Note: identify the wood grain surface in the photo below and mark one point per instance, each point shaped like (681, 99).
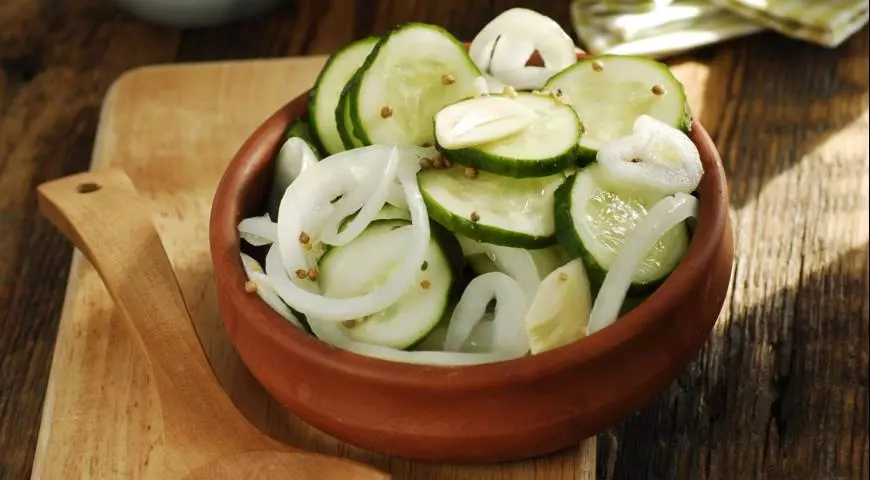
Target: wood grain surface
(780, 391)
(173, 129)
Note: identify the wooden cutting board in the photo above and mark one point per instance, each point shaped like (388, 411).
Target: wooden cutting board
(173, 129)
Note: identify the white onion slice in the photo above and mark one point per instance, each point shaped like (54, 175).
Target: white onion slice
(266, 291)
(316, 187)
(258, 231)
(370, 208)
(306, 214)
(332, 333)
(506, 43)
(278, 276)
(423, 358)
(663, 216)
(509, 64)
(554, 45)
(350, 202)
(517, 263)
(512, 51)
(481, 52)
(470, 246)
(309, 200)
(445, 359)
(510, 305)
(656, 157)
(293, 158)
(482, 337)
(396, 196)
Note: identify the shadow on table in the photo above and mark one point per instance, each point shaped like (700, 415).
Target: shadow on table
(779, 389)
(770, 101)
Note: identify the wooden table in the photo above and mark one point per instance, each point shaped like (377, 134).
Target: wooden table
(780, 390)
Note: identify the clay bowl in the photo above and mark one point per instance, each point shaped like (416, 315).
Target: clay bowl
(484, 413)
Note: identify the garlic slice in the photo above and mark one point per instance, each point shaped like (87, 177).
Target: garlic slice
(480, 120)
(559, 312)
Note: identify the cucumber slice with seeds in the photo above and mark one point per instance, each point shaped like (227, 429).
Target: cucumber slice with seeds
(546, 146)
(592, 222)
(609, 92)
(360, 266)
(326, 93)
(412, 73)
(515, 212)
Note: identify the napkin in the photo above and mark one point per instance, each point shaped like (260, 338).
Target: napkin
(826, 22)
(659, 28)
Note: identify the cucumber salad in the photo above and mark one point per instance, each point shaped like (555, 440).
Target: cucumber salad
(445, 205)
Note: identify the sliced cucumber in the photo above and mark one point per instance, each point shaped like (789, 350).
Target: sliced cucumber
(609, 92)
(449, 245)
(547, 146)
(480, 339)
(592, 223)
(412, 73)
(515, 212)
(389, 212)
(527, 266)
(326, 93)
(363, 264)
(481, 263)
(343, 121)
(549, 259)
(545, 259)
(451, 249)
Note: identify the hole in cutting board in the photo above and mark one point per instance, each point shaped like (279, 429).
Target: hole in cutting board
(87, 187)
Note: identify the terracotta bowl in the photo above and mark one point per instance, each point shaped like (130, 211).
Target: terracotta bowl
(484, 413)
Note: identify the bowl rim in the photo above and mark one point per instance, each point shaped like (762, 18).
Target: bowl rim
(256, 154)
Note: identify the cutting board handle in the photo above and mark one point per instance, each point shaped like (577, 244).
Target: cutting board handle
(101, 213)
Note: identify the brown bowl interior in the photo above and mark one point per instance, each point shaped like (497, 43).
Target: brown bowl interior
(242, 193)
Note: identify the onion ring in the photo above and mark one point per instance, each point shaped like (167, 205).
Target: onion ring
(664, 215)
